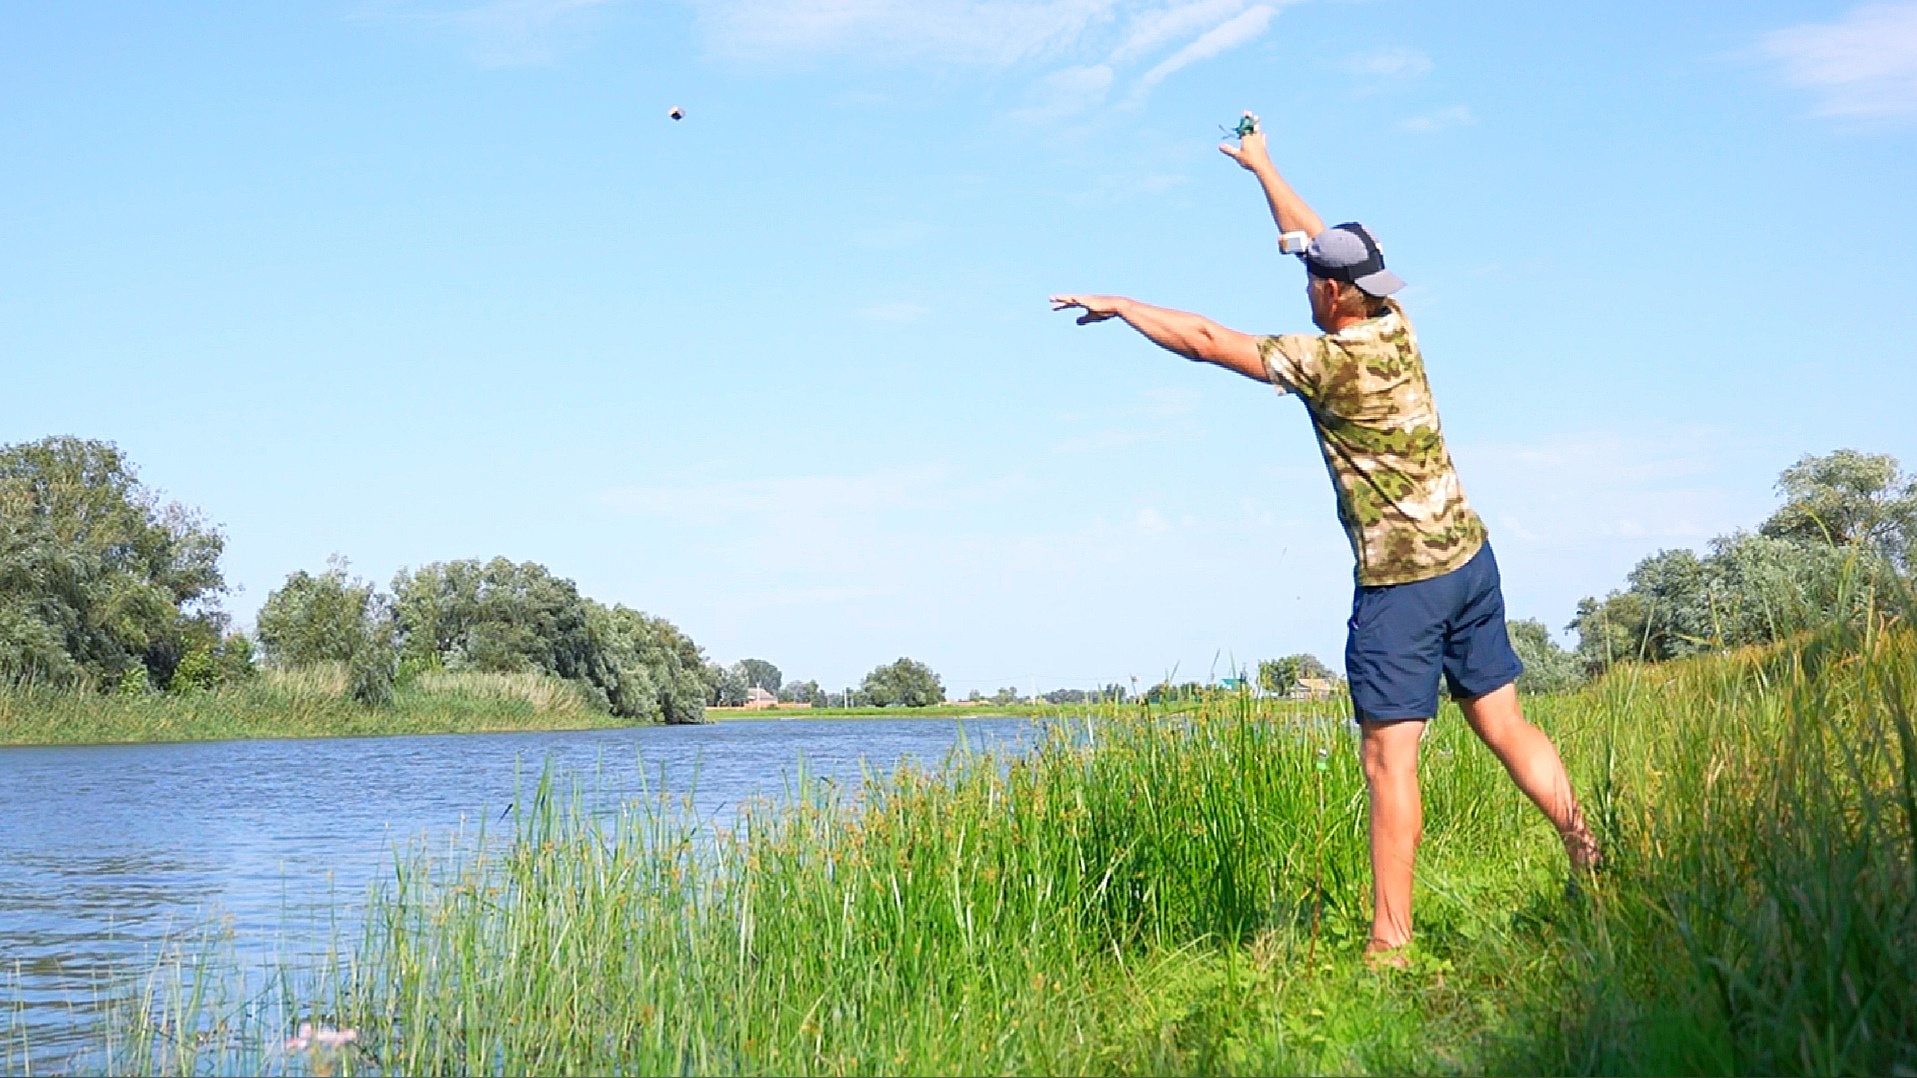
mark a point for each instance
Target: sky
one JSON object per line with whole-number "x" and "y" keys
{"x": 409, "y": 281}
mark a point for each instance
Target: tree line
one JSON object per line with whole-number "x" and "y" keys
{"x": 1840, "y": 548}
{"x": 104, "y": 586}
{"x": 903, "y": 683}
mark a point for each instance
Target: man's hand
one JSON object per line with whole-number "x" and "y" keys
{"x": 1190, "y": 335}
{"x": 1287, "y": 209}
{"x": 1250, "y": 152}
{"x": 1096, "y": 308}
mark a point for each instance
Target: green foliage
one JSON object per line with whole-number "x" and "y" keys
{"x": 1280, "y": 675}
{"x": 1831, "y": 554}
{"x": 905, "y": 683}
{"x": 761, "y": 674}
{"x": 726, "y": 686}
{"x": 97, "y": 576}
{"x": 504, "y": 617}
{"x": 802, "y": 692}
{"x": 1547, "y": 667}
{"x": 1847, "y": 498}
{"x": 661, "y": 672}
{"x": 497, "y": 616}
{"x": 332, "y": 618}
{"x": 326, "y": 618}
{"x": 215, "y": 664}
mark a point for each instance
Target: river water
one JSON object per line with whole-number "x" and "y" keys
{"x": 107, "y": 850}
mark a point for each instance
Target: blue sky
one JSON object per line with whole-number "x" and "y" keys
{"x": 418, "y": 281}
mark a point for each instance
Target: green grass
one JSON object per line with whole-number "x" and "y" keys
{"x": 298, "y": 703}
{"x": 1180, "y": 894}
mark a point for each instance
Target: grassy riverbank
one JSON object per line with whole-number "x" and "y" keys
{"x": 313, "y": 702}
{"x": 1185, "y": 895}
{"x": 310, "y": 702}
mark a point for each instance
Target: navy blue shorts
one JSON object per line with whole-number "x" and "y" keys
{"x": 1402, "y": 636}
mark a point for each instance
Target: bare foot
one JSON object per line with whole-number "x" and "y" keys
{"x": 1382, "y": 955}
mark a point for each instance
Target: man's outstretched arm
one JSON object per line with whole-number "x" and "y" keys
{"x": 1287, "y": 208}
{"x": 1190, "y": 335}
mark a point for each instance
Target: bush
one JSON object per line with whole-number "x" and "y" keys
{"x": 1547, "y": 667}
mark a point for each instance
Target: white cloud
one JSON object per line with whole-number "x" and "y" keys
{"x": 994, "y": 32}
{"x": 1153, "y": 28}
{"x": 1443, "y": 119}
{"x": 498, "y": 33}
{"x": 1068, "y": 92}
{"x": 1390, "y": 64}
{"x": 1127, "y": 34}
{"x": 1864, "y": 65}
{"x": 1247, "y": 26}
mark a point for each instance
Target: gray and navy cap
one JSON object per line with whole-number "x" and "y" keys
{"x": 1350, "y": 253}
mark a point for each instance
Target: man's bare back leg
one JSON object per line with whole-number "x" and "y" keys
{"x": 1533, "y": 763}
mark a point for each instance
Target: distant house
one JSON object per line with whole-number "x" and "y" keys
{"x": 1313, "y": 688}
{"x": 758, "y": 699}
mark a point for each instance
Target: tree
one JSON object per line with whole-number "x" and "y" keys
{"x": 97, "y": 576}
{"x": 214, "y": 663}
{"x": 761, "y": 674}
{"x": 1281, "y": 675}
{"x": 316, "y": 619}
{"x": 508, "y": 617}
{"x": 496, "y": 616}
{"x": 1847, "y": 498}
{"x": 905, "y": 683}
{"x": 661, "y": 671}
{"x": 1831, "y": 553}
{"x": 332, "y": 617}
{"x": 726, "y": 685}
{"x": 802, "y": 692}
{"x": 1547, "y": 666}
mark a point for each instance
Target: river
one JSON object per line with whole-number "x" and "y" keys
{"x": 108, "y": 850}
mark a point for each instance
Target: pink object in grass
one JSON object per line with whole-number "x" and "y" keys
{"x": 310, "y": 1036}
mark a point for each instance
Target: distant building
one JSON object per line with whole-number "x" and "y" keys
{"x": 758, "y": 699}
{"x": 1313, "y": 688}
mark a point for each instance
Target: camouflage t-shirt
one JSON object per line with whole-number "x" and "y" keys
{"x": 1398, "y": 496}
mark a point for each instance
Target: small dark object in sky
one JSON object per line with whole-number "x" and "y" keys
{"x": 676, "y": 112}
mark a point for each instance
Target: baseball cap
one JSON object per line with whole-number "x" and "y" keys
{"x": 1350, "y": 253}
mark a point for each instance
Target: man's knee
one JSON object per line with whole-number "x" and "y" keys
{"x": 1389, "y": 752}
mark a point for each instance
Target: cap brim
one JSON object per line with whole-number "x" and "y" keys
{"x": 1381, "y": 283}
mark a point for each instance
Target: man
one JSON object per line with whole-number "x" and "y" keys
{"x": 1428, "y": 603}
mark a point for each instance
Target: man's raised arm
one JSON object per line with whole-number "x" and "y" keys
{"x": 1190, "y": 335}
{"x": 1289, "y": 210}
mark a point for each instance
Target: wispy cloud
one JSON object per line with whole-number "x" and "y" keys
{"x": 498, "y": 33}
{"x": 996, "y": 32}
{"x": 1068, "y": 92}
{"x": 1102, "y": 44}
{"x": 1441, "y": 120}
{"x": 1246, "y": 26}
{"x": 1862, "y": 66}
{"x": 1390, "y": 64}
{"x": 1154, "y": 28}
